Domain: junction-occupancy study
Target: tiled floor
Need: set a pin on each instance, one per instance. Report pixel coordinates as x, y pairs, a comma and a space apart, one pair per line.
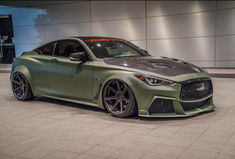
51, 129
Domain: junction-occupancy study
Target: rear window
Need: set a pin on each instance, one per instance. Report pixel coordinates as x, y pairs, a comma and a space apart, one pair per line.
46, 49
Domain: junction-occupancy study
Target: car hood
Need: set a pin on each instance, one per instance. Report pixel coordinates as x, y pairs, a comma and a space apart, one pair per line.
164, 66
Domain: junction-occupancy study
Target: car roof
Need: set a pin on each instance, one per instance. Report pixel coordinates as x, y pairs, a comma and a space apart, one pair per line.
83, 38
94, 37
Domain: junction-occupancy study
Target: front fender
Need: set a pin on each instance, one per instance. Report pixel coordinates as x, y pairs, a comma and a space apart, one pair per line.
101, 80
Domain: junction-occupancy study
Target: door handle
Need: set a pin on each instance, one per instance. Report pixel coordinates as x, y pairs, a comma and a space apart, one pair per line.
53, 60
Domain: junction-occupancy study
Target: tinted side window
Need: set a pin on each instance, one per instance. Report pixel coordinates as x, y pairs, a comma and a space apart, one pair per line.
66, 47
46, 49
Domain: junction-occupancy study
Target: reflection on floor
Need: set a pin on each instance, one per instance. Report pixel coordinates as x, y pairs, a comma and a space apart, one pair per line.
52, 129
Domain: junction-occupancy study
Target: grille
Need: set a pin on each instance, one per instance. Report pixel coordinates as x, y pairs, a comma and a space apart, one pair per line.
193, 105
196, 90
161, 106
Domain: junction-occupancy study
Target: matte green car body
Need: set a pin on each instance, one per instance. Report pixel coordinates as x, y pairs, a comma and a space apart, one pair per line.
83, 83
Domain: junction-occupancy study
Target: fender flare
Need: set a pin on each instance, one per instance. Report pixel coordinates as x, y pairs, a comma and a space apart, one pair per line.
25, 71
126, 80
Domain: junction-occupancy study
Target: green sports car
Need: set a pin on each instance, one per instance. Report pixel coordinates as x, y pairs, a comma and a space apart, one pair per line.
112, 74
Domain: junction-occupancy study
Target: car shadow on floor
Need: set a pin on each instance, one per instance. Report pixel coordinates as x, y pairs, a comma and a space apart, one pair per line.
98, 112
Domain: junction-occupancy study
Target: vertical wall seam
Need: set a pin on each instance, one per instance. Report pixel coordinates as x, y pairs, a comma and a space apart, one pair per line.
90, 17
216, 10
146, 25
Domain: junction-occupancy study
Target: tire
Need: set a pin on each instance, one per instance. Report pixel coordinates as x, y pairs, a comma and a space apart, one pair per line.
118, 99
20, 87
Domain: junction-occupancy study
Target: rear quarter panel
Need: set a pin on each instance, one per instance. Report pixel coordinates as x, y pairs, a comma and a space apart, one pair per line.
33, 68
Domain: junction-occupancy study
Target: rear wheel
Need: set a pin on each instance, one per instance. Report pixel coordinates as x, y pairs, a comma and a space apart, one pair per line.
20, 87
118, 99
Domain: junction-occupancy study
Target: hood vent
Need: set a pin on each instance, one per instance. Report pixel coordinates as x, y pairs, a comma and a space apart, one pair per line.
162, 65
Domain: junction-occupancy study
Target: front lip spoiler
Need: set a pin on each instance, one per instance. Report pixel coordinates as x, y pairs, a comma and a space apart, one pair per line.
175, 115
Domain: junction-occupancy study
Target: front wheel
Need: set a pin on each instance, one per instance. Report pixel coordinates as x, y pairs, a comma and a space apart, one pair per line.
118, 99
20, 87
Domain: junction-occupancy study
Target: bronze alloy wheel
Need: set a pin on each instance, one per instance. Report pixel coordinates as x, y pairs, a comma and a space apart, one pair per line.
20, 87
119, 99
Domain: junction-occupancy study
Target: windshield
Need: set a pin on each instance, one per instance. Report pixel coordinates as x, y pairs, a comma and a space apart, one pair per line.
114, 48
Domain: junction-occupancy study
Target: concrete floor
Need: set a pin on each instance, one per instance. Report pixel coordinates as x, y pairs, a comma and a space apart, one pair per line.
52, 129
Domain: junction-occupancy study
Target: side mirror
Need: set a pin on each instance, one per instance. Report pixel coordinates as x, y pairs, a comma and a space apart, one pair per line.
78, 56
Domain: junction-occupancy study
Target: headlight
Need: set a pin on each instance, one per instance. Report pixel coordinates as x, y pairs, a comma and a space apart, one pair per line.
153, 81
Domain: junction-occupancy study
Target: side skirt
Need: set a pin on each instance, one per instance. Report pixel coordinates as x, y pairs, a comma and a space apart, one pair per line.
75, 101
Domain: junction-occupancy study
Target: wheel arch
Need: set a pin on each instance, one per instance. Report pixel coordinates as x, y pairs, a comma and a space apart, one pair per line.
127, 79
25, 71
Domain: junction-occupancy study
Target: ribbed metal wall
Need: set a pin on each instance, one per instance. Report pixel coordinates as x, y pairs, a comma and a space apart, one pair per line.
202, 32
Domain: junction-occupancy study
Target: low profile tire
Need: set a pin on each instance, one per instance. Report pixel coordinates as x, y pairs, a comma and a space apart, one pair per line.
21, 88
118, 99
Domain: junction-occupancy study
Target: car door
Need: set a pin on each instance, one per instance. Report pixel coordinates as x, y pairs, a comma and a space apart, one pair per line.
69, 79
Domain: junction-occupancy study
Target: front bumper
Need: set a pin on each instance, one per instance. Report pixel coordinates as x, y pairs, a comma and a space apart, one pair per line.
146, 96
178, 108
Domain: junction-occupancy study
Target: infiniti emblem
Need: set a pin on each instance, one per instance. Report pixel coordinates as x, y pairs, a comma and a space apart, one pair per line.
200, 86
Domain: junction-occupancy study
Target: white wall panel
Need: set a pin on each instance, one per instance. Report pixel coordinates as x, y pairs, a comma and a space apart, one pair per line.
107, 10
225, 63
225, 47
225, 4
157, 8
226, 22
141, 44
66, 13
180, 29
189, 25
132, 29
53, 32
28, 34
26, 47
203, 63
197, 49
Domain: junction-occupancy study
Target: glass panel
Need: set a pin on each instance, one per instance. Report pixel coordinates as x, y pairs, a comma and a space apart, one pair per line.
66, 47
46, 49
106, 48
